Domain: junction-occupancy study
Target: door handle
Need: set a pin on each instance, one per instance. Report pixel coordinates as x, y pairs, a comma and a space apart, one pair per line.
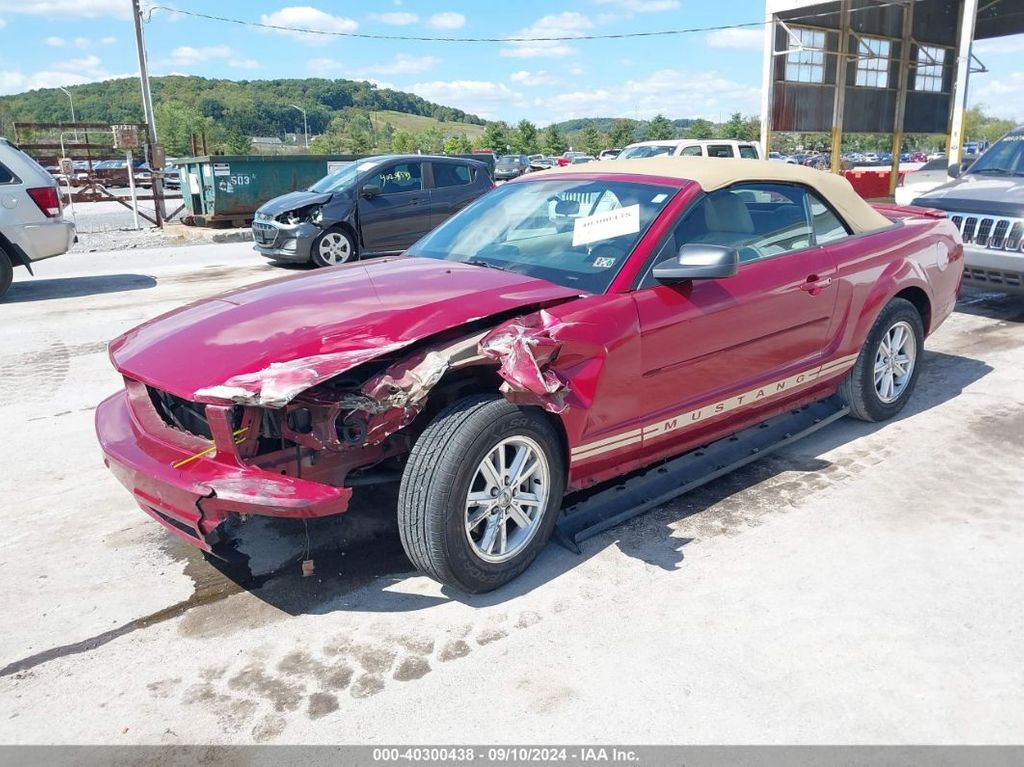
815, 284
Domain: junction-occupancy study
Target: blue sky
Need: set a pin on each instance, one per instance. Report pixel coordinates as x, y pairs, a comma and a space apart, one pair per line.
44, 43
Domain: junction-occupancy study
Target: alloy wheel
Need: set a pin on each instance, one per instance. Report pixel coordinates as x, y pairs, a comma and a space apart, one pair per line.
894, 362
507, 498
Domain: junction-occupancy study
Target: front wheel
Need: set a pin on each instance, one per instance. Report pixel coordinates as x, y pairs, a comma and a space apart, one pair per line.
481, 493
886, 370
332, 247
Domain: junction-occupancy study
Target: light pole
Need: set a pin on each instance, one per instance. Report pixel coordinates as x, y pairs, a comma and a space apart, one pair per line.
72, 101
305, 125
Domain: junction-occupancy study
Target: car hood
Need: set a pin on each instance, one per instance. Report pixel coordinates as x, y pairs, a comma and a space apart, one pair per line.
291, 201
977, 193
266, 343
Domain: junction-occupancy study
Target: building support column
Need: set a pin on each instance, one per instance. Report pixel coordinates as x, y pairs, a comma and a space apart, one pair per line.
838, 102
958, 103
901, 96
767, 83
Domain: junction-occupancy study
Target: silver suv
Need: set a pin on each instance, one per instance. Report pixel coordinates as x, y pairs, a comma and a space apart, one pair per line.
32, 225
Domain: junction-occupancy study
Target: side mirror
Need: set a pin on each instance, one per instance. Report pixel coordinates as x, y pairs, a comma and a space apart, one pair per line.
370, 191
954, 170
698, 262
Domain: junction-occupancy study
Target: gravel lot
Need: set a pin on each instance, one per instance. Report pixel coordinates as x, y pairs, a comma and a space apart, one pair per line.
862, 586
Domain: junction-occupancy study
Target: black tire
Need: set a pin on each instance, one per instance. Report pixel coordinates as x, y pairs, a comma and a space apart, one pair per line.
858, 388
6, 272
335, 232
438, 476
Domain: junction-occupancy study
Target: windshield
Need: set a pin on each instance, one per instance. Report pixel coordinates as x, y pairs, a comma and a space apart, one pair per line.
1004, 158
342, 177
575, 233
639, 152
509, 158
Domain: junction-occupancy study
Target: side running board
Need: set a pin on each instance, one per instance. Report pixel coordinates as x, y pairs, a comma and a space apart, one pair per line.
652, 487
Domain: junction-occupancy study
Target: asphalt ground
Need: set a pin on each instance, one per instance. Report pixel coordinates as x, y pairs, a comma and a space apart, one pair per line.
860, 586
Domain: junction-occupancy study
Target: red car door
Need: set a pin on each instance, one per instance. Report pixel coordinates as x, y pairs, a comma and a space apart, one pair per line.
706, 341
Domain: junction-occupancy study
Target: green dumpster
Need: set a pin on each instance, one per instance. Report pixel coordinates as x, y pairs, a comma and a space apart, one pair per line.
226, 190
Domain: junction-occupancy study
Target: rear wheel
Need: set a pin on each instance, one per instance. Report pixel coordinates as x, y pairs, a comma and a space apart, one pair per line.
480, 493
6, 272
333, 247
886, 370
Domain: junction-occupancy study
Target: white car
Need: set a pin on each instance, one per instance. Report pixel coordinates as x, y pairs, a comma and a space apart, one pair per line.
688, 147
929, 176
32, 225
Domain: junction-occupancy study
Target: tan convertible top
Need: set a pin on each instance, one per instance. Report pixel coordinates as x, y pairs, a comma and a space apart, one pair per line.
713, 173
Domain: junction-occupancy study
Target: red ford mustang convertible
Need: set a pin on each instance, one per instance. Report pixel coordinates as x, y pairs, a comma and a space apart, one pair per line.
568, 328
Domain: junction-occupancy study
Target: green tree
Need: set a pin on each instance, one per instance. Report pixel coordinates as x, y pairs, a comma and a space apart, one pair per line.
496, 137
176, 122
403, 142
622, 133
524, 139
700, 129
734, 127
660, 128
591, 140
457, 145
978, 126
234, 141
553, 140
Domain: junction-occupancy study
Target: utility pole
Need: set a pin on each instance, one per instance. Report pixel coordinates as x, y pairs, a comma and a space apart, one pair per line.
72, 101
305, 125
147, 107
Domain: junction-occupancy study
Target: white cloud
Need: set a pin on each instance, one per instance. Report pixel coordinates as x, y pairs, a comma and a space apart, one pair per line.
70, 72
447, 20
565, 24
2, 23
397, 19
999, 45
641, 6
481, 97
323, 67
108, 40
534, 79
186, 55
748, 39
307, 17
64, 9
689, 94
403, 64
55, 42
1003, 97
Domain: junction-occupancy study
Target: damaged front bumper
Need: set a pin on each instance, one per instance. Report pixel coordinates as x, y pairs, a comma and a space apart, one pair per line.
192, 502
284, 242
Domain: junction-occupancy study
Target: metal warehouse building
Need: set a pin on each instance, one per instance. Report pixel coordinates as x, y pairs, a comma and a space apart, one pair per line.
876, 66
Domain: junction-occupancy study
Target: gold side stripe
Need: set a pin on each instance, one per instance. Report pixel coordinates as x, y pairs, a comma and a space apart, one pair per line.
682, 420
607, 448
599, 443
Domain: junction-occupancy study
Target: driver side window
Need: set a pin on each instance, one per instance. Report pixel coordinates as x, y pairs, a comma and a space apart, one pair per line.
761, 220
398, 178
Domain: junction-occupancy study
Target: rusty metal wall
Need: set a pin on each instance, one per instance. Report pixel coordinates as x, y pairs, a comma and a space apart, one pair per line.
808, 107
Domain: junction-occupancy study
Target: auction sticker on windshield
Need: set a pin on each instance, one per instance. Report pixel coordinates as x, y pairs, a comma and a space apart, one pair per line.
604, 226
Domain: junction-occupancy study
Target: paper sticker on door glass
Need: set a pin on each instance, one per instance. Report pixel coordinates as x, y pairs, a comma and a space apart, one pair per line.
604, 226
